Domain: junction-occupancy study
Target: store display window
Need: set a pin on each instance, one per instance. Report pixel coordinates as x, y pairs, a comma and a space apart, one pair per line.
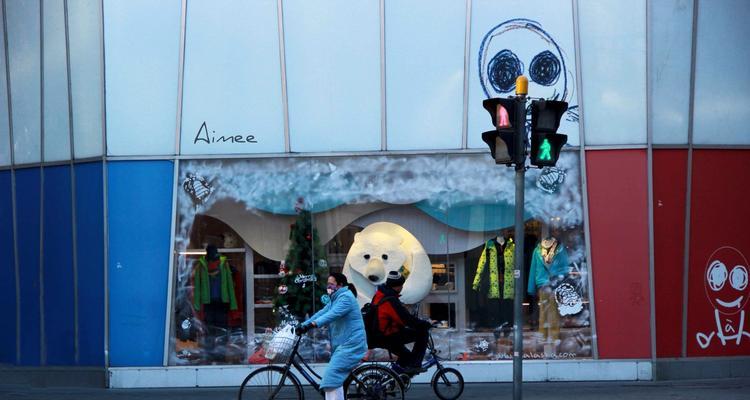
445, 222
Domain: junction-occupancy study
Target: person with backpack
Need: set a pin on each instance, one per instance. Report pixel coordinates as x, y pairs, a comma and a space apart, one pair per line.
396, 326
347, 331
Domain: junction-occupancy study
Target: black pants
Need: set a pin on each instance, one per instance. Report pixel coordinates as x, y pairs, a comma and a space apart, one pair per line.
396, 345
216, 320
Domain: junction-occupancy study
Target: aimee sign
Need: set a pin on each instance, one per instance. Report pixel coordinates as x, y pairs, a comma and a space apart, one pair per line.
207, 136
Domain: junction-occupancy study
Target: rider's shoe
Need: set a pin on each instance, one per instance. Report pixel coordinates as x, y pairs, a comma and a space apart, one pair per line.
397, 368
414, 370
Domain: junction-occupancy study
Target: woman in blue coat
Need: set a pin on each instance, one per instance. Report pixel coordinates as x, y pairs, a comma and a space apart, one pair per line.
347, 332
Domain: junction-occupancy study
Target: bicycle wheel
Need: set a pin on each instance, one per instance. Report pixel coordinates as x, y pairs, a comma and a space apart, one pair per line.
372, 382
448, 384
262, 383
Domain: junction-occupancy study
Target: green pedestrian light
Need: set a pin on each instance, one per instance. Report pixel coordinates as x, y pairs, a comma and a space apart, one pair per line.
544, 148
546, 143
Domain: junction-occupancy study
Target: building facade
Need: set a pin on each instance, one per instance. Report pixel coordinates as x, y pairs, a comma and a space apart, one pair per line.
304, 137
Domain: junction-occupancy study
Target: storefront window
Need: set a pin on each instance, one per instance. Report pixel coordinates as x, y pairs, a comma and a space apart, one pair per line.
210, 318
445, 222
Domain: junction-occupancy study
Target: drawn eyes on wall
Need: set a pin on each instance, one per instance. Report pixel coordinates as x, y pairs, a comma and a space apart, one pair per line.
545, 68
505, 67
738, 277
716, 275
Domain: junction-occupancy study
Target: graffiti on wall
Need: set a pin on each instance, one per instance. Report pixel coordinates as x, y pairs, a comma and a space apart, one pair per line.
521, 46
726, 287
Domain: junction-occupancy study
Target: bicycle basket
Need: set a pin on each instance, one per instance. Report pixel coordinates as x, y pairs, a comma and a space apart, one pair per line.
280, 347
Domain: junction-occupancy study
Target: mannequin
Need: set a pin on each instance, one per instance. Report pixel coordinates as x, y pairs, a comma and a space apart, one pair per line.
549, 265
214, 295
498, 256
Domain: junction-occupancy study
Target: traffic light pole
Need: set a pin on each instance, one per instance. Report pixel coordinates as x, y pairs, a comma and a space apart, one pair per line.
508, 147
519, 292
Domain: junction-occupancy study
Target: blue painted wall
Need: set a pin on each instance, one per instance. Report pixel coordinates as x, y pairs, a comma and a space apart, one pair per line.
7, 273
90, 246
57, 261
139, 210
28, 190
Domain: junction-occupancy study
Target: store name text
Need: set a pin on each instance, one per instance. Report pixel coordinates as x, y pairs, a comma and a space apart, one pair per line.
204, 136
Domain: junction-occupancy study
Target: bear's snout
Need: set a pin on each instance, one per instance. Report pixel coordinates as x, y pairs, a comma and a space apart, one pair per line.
375, 270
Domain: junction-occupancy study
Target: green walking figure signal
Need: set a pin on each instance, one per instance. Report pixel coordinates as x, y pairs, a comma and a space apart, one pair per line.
544, 150
546, 143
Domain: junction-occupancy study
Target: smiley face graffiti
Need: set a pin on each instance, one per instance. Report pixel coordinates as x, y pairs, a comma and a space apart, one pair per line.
522, 47
727, 288
728, 292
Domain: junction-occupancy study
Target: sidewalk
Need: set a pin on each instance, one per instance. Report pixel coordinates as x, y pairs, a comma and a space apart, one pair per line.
722, 389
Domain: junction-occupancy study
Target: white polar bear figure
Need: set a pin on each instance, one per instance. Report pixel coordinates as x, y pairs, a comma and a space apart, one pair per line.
382, 247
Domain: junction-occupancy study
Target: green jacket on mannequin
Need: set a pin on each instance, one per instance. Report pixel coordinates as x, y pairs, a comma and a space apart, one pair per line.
489, 256
201, 284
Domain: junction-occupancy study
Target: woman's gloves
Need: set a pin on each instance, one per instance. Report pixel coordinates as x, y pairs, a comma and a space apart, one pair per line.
302, 329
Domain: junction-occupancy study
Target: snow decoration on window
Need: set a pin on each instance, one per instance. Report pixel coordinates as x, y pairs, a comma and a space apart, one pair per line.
481, 346
569, 302
438, 182
198, 188
550, 179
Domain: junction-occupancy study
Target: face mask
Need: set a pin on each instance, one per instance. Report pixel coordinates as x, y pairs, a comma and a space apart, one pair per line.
331, 288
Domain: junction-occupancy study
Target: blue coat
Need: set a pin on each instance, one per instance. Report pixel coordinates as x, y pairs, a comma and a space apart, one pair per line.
540, 273
347, 336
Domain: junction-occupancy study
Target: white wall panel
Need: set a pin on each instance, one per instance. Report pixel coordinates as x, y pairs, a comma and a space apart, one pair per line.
613, 69
142, 43
670, 37
722, 80
424, 73
56, 113
5, 144
232, 80
25, 78
533, 38
84, 35
333, 74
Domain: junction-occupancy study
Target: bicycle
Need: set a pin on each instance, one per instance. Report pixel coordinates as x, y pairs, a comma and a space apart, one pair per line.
279, 382
446, 382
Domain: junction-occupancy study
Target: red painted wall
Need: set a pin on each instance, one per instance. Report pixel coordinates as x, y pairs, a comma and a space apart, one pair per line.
719, 249
670, 188
618, 211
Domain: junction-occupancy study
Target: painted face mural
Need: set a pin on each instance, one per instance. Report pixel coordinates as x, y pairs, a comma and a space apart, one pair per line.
726, 285
521, 47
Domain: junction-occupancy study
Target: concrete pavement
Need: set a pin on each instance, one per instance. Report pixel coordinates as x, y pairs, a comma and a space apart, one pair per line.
718, 389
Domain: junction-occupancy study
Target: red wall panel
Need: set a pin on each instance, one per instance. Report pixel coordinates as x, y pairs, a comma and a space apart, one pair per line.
618, 201
718, 287
670, 185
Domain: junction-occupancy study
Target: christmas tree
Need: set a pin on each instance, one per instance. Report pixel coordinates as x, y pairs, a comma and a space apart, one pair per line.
304, 272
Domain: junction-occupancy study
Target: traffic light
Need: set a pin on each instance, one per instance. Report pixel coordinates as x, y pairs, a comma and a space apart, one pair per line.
502, 140
546, 143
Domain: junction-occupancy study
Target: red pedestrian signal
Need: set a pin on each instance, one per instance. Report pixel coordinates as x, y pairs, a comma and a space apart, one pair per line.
501, 141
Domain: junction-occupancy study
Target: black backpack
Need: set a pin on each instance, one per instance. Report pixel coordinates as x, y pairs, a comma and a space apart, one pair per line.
375, 337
